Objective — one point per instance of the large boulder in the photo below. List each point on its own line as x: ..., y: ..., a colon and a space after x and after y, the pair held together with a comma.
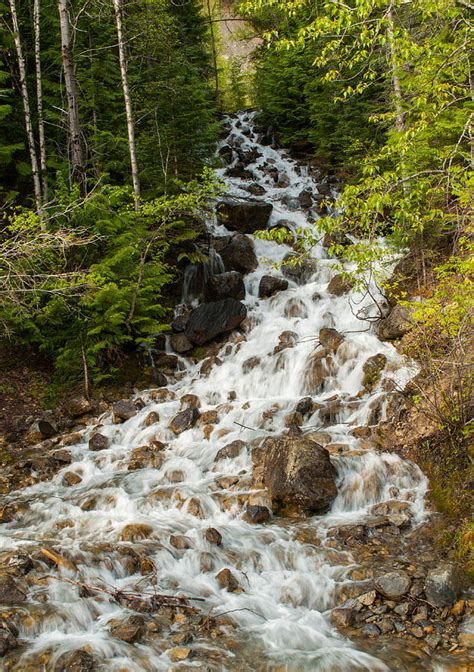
x: 211, y: 319
x: 229, y: 285
x: 244, y: 216
x: 239, y: 254
x: 270, y: 285
x: 297, y: 472
x: 397, y: 323
x: 443, y: 585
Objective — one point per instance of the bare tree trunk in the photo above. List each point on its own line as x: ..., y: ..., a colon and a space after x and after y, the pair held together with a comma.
x: 128, y: 103
x: 39, y: 99
x: 394, y: 65
x: 75, y: 135
x: 214, y: 50
x: 27, y: 110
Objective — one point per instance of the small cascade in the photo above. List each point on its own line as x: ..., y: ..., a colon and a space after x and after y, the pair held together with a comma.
x: 138, y: 515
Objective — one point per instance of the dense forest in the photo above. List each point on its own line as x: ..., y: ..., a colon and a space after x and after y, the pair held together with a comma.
x: 236, y: 287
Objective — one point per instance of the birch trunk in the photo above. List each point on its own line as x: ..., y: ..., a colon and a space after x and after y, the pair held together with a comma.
x: 128, y: 103
x: 75, y: 135
x: 39, y: 99
x: 27, y: 110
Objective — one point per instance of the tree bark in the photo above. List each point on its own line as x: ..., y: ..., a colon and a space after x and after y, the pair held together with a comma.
x: 128, y: 103
x: 394, y: 65
x: 75, y: 135
x: 39, y: 99
x: 26, y: 110
x: 214, y: 50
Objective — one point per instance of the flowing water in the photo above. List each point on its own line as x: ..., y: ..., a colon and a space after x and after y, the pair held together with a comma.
x: 288, y: 585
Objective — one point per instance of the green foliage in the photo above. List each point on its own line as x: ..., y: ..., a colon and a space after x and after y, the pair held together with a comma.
x: 84, y: 299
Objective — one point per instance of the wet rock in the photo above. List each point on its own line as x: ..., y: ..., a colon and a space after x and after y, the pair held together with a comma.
x: 10, y: 593
x: 70, y: 479
x: 190, y: 401
x: 371, y: 630
x: 146, y: 457
x: 466, y: 632
x: 213, y: 536
x: 175, y: 476
x: 296, y: 471
x: 372, y: 370
x: 393, y: 585
x: 227, y: 580
x: 239, y: 255
x: 152, y: 418
x: 255, y: 189
x: 287, y: 339
x: 339, y: 285
x: 338, y: 238
x: 318, y: 369
x: 98, y: 442
x: 123, y: 410
x: 256, y: 514
x: 305, y: 199
x: 304, y: 406
x: 180, y: 343
x: 75, y: 661
x: 330, y: 338
x: 136, y: 532
x: 180, y: 542
x: 295, y: 308
x: 167, y: 363
x: 392, y: 506
x: 179, y: 653
x: 77, y: 407
x: 208, y: 364
x: 244, y: 216
x: 443, y: 585
x: 343, y: 618
x: 231, y: 450
x: 8, y: 637
x: 298, y: 269
x: 184, y: 420
x: 211, y: 319
x: 270, y: 285
x: 250, y: 364
x: 130, y: 630
x: 39, y: 430
x: 195, y: 508
x: 71, y: 439
x: 178, y: 325
x: 397, y: 323
x: 226, y: 153
x: 208, y: 418
x: 229, y: 285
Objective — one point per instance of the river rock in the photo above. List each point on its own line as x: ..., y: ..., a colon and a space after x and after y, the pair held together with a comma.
x: 190, y: 401
x: 239, y: 255
x: 213, y: 536
x: 180, y: 343
x: 339, y: 285
x: 77, y: 407
x: 256, y: 514
x: 443, y: 585
x: 146, y: 457
x: 244, y: 216
x: 287, y: 339
x: 229, y: 285
x: 70, y: 479
x: 270, y: 285
x: 184, y: 420
x: 75, y: 661
x: 211, y: 319
x: 305, y: 199
x: 179, y: 653
x: 167, y: 363
x: 130, y: 630
x: 152, y: 419
x: 318, y: 368
x: 231, y: 450
x: 343, y: 617
x: 180, y: 542
x: 8, y: 637
x: 304, y: 406
x: 136, y: 532
x: 255, y: 189
x: 393, y: 585
x: 178, y: 325
x: 227, y: 580
x: 330, y: 338
x: 10, y: 593
x: 296, y: 471
x: 98, y: 442
x: 466, y: 632
x: 123, y: 410
x: 298, y: 269
x: 372, y: 370
x: 397, y: 323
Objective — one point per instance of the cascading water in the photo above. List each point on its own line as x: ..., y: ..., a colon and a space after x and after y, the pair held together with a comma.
x: 287, y: 584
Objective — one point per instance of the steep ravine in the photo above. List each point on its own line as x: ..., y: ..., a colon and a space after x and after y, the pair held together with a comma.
x: 330, y: 568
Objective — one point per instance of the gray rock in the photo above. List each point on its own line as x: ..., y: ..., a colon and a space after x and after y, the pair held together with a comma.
x: 9, y: 592
x: 244, y: 216
x: 98, y: 442
x: 78, y: 406
x: 256, y: 514
x: 466, y: 632
x: 393, y: 585
x: 212, y: 319
x: 296, y: 471
x: 343, y: 617
x: 239, y: 254
x: 8, y: 638
x: 371, y: 630
x: 229, y: 285
x: 180, y: 343
x: 123, y: 410
x: 184, y: 420
x: 270, y: 285
x: 397, y: 323
x: 443, y: 585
